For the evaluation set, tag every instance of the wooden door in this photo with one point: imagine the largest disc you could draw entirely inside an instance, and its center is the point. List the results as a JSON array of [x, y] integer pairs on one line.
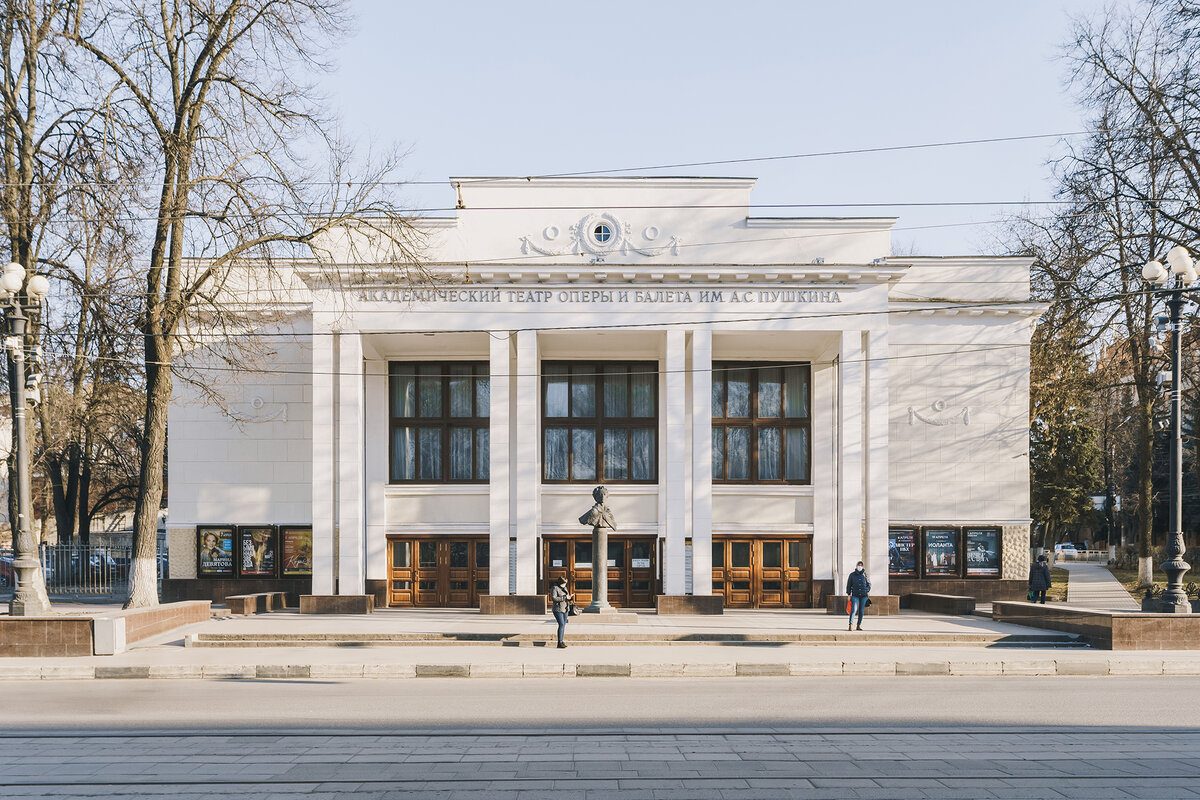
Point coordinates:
[[402, 573], [799, 573], [428, 569], [768, 587], [739, 573], [641, 573]]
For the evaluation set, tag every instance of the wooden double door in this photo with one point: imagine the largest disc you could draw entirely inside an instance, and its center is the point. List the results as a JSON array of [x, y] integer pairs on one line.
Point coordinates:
[[763, 571], [437, 572], [633, 577]]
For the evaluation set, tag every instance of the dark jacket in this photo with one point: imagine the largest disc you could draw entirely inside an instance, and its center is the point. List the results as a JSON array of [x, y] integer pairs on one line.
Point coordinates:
[[858, 585], [1039, 576], [558, 598]]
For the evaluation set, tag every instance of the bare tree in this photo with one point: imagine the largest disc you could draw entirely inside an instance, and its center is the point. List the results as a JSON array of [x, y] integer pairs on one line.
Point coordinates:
[[217, 90]]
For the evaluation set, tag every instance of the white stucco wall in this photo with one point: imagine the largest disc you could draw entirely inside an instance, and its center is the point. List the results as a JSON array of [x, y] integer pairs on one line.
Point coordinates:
[[251, 460]]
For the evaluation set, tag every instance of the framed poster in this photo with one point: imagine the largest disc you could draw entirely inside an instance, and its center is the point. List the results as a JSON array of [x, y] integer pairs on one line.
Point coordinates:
[[941, 552], [214, 551], [258, 551], [983, 552], [295, 547], [902, 552]]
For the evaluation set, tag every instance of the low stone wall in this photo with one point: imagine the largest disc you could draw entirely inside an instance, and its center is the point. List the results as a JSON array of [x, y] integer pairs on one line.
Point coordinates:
[[689, 604], [262, 603], [217, 589], [881, 605], [1107, 630], [513, 604], [142, 623], [939, 603], [983, 590], [337, 603], [45, 637]]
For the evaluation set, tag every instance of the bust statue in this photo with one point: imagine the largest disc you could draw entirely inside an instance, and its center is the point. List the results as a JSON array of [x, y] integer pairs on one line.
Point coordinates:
[[600, 517]]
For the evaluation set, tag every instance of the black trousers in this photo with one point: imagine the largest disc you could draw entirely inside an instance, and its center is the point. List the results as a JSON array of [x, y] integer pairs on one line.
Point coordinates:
[[1039, 595]]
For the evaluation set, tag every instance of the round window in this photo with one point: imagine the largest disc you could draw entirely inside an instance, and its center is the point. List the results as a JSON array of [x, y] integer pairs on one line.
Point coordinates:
[[602, 233]]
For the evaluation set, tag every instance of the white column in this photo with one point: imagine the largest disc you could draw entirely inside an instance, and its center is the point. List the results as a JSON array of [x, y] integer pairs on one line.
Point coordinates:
[[499, 510], [378, 470], [675, 451], [351, 536], [850, 473], [701, 375], [824, 467], [875, 403], [526, 469], [323, 476]]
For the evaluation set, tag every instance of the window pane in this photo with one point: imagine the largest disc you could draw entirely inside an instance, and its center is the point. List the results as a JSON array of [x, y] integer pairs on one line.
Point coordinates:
[[583, 391], [458, 555], [738, 391], [718, 555], [583, 555], [483, 396], [616, 555], [431, 453], [483, 454], [739, 554], [556, 454], [583, 454], [483, 552], [404, 454], [643, 454], [798, 555], [558, 554], [770, 393], [641, 386], [556, 390], [461, 381], [796, 391], [430, 390], [460, 454], [738, 453], [797, 454], [718, 454], [427, 555], [400, 555], [768, 454], [616, 401], [718, 395], [616, 454], [772, 554], [404, 395]]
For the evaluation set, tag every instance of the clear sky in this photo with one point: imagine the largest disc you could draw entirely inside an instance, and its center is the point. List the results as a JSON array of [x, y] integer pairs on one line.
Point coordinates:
[[526, 88]]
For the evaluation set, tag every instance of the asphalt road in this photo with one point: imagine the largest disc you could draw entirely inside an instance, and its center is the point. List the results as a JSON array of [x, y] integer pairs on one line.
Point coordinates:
[[623, 738]]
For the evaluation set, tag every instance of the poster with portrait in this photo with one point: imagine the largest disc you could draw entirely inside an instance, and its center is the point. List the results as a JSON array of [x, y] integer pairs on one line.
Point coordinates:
[[295, 546], [258, 551], [902, 552], [983, 552], [941, 551], [214, 545]]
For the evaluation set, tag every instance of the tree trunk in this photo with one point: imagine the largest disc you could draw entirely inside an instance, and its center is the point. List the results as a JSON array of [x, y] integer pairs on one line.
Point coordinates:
[[84, 528], [1145, 481], [1145, 572], [143, 580]]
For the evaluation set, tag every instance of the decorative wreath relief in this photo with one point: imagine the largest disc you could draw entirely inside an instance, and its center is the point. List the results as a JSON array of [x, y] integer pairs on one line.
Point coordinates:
[[939, 407], [598, 235]]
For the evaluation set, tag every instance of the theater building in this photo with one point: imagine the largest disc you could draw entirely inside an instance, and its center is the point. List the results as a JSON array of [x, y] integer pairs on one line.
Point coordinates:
[[767, 399]]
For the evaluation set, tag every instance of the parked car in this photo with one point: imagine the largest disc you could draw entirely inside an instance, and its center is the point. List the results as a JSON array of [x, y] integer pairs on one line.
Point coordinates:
[[1065, 549]]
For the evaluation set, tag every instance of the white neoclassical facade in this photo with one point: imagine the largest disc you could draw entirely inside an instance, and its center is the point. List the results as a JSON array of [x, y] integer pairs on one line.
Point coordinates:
[[767, 400]]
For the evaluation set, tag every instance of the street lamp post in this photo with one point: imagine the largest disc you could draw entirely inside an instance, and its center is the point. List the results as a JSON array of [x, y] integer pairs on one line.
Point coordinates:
[[18, 296], [1173, 284]]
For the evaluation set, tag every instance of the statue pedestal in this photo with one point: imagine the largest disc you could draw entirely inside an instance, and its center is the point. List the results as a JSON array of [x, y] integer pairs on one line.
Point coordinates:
[[602, 615]]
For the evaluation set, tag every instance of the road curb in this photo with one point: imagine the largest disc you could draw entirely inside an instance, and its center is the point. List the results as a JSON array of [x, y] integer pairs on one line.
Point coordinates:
[[1040, 668]]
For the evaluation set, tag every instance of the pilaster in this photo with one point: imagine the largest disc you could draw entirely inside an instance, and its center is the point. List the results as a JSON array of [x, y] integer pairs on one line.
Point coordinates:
[[350, 533], [701, 461], [675, 460], [501, 461], [875, 404], [851, 461], [526, 465], [323, 476]]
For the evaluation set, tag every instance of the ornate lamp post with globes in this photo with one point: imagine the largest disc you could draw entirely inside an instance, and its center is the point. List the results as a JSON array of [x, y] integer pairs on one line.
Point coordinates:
[[19, 296], [1173, 285]]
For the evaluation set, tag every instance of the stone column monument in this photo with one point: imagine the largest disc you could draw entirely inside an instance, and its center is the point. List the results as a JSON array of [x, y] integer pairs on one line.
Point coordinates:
[[600, 517]]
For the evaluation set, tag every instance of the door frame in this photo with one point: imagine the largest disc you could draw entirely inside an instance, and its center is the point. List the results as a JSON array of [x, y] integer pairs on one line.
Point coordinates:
[[442, 571]]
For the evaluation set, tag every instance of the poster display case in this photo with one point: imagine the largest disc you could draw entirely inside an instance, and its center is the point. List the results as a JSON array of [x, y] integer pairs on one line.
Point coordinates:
[[215, 551], [258, 546], [941, 552], [296, 552], [983, 552], [902, 552]]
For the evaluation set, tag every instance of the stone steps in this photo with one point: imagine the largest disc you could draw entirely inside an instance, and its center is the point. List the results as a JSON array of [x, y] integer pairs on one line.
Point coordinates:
[[608, 638]]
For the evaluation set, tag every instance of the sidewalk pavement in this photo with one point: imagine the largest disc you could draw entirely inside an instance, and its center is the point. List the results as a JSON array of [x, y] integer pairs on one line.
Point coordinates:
[[940, 645], [1093, 586]]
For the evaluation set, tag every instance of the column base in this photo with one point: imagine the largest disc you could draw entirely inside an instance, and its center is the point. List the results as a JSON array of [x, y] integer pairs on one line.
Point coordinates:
[[610, 615]]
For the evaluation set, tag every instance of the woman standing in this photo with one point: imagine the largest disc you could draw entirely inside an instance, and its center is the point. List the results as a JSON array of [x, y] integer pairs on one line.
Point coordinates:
[[560, 603], [1039, 580], [858, 586]]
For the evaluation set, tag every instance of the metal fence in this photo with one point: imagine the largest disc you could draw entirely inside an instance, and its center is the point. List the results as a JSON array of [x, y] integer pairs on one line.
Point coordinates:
[[1101, 556], [81, 571]]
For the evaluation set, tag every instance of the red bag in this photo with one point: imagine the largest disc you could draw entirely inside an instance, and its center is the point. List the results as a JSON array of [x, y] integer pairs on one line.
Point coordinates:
[[849, 605]]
